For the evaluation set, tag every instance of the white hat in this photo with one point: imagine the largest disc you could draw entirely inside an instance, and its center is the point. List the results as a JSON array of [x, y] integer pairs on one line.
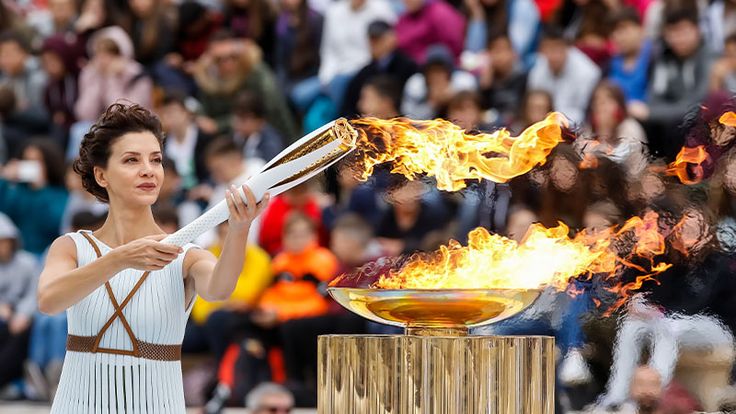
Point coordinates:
[[8, 230]]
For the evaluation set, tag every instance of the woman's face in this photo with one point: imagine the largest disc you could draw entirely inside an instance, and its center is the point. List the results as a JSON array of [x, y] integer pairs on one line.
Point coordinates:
[[134, 173], [142, 8], [604, 108], [52, 65]]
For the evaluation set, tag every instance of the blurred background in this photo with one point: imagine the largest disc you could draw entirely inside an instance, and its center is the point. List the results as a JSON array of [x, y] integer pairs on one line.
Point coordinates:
[[235, 81]]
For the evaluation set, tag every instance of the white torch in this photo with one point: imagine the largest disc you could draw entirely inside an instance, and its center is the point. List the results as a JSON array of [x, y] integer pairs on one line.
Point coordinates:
[[301, 161]]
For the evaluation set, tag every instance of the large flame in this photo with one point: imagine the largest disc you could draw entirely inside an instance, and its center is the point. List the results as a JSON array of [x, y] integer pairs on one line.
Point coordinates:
[[443, 150], [687, 157], [546, 257]]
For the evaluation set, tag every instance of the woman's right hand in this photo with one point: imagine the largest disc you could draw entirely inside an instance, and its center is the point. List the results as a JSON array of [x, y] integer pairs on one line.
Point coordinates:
[[147, 253]]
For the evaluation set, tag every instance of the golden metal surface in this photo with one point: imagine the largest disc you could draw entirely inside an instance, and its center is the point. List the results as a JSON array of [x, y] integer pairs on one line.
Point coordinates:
[[405, 374], [442, 308]]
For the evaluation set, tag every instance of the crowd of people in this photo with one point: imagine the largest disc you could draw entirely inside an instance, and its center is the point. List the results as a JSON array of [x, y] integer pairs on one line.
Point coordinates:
[[236, 81]]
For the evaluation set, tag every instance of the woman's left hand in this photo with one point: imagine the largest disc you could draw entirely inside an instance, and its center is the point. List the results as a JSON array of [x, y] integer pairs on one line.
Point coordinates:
[[243, 212]]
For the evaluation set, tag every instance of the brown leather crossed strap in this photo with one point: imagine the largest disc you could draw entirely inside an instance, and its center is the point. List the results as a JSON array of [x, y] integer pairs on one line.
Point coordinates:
[[140, 349]]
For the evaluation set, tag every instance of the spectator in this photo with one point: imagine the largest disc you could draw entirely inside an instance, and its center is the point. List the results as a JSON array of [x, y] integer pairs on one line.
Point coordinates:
[[591, 37], [269, 398], [723, 75], [630, 64], [174, 197], [185, 141], [648, 395], [380, 98], [230, 66], [615, 135], [566, 73], [518, 21], [386, 59], [196, 26], [344, 48], [298, 270], [355, 197], [428, 92], [300, 198], [426, 23], [32, 185], [502, 80], [61, 62], [465, 111], [534, 107], [252, 131], [298, 34], [254, 20], [679, 81], [18, 278], [409, 220], [111, 74], [21, 73], [80, 201]]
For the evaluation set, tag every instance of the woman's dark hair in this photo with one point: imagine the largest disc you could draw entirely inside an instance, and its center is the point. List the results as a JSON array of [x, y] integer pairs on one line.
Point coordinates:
[[52, 159], [119, 119]]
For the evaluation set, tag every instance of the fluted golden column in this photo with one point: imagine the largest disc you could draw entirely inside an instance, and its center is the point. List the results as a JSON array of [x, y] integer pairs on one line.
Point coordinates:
[[406, 374]]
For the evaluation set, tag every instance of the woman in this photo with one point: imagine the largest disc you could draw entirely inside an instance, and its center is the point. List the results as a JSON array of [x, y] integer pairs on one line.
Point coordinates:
[[615, 135], [124, 341]]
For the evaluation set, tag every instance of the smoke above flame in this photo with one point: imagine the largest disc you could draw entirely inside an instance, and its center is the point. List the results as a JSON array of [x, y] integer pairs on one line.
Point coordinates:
[[545, 257], [443, 150]]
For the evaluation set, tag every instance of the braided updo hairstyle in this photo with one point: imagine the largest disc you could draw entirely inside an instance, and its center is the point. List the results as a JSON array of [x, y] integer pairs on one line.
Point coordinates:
[[119, 119]]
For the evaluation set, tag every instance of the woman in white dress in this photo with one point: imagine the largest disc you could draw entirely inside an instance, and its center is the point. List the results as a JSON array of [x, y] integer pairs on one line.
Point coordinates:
[[127, 295]]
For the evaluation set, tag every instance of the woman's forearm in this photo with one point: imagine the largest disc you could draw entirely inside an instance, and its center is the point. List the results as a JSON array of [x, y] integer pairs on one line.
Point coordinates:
[[57, 292], [229, 265]]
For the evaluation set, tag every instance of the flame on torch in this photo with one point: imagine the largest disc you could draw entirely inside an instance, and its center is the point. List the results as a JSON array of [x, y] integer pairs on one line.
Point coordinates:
[[443, 150]]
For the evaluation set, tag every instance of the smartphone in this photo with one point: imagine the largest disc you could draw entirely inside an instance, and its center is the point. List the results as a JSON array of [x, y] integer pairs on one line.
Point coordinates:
[[29, 171]]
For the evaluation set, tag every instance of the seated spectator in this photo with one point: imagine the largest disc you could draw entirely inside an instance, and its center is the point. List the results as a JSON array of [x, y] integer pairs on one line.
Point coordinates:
[[21, 73], [720, 15], [298, 35], [427, 93], [614, 135], [111, 74], [58, 18], [380, 98], [150, 27], [516, 20], [214, 325], [228, 67], [502, 79], [259, 139], [566, 73], [269, 398], [678, 82], [34, 184], [354, 197], [186, 143], [301, 198], [254, 20], [629, 68], [344, 48], [465, 111], [426, 23], [298, 270], [61, 62], [386, 59], [648, 395], [591, 37], [18, 278], [723, 75], [409, 220], [564, 193]]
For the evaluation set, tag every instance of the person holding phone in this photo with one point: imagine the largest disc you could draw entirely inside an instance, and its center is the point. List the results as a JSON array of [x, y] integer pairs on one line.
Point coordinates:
[[33, 195], [128, 295]]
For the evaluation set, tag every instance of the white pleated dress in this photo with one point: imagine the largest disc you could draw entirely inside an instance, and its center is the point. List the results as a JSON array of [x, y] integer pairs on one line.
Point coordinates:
[[105, 382]]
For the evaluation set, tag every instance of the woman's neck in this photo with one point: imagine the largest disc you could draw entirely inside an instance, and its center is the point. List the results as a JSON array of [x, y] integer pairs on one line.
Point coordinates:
[[124, 225]]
